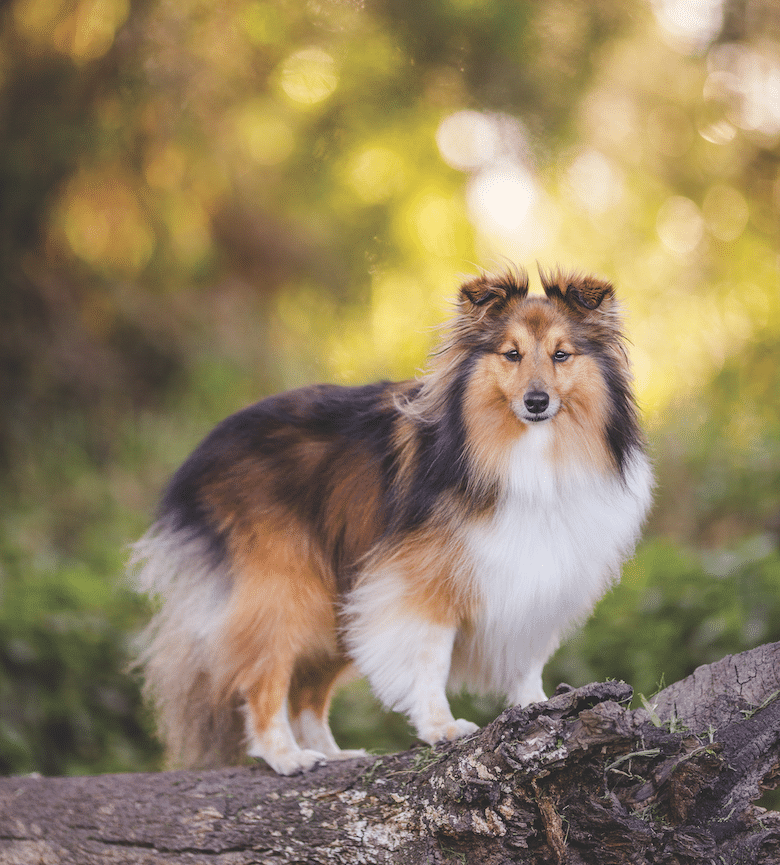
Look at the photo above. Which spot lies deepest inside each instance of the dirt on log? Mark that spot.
(578, 779)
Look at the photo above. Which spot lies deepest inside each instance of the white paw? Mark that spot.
(348, 754)
(290, 762)
(525, 698)
(464, 728)
(529, 691)
(448, 731)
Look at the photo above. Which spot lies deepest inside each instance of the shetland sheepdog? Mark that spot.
(438, 533)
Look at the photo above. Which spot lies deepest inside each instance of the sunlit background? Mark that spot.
(204, 203)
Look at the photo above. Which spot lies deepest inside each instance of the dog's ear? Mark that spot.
(488, 292)
(583, 294)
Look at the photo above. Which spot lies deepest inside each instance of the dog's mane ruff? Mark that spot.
(432, 409)
(605, 321)
(425, 403)
(589, 300)
(463, 336)
(592, 300)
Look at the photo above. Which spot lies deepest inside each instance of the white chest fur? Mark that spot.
(539, 563)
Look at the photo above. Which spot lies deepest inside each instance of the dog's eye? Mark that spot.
(514, 356)
(561, 355)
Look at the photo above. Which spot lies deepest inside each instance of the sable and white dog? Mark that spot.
(432, 533)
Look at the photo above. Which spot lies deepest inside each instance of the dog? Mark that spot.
(444, 532)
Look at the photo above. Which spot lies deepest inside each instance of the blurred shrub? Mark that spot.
(67, 705)
(674, 610)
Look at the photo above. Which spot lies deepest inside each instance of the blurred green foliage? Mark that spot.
(67, 708)
(674, 610)
(205, 203)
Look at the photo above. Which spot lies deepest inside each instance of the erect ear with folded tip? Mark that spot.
(581, 293)
(493, 292)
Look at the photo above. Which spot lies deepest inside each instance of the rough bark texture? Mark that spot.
(577, 779)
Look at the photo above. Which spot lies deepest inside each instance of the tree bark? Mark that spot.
(578, 779)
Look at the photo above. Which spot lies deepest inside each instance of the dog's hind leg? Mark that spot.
(269, 734)
(282, 612)
(312, 686)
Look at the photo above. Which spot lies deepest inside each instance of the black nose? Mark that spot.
(536, 401)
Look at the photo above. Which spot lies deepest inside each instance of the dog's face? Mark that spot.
(539, 361)
(534, 364)
(538, 365)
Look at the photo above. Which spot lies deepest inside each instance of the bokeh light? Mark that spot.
(84, 30)
(690, 24)
(104, 224)
(308, 76)
(680, 225)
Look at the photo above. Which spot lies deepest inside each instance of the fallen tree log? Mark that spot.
(578, 779)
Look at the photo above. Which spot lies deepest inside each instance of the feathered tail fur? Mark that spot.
(201, 725)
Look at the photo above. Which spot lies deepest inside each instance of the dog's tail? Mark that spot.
(179, 652)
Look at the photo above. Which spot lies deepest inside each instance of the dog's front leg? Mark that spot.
(406, 658)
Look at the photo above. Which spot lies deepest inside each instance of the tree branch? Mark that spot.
(578, 779)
